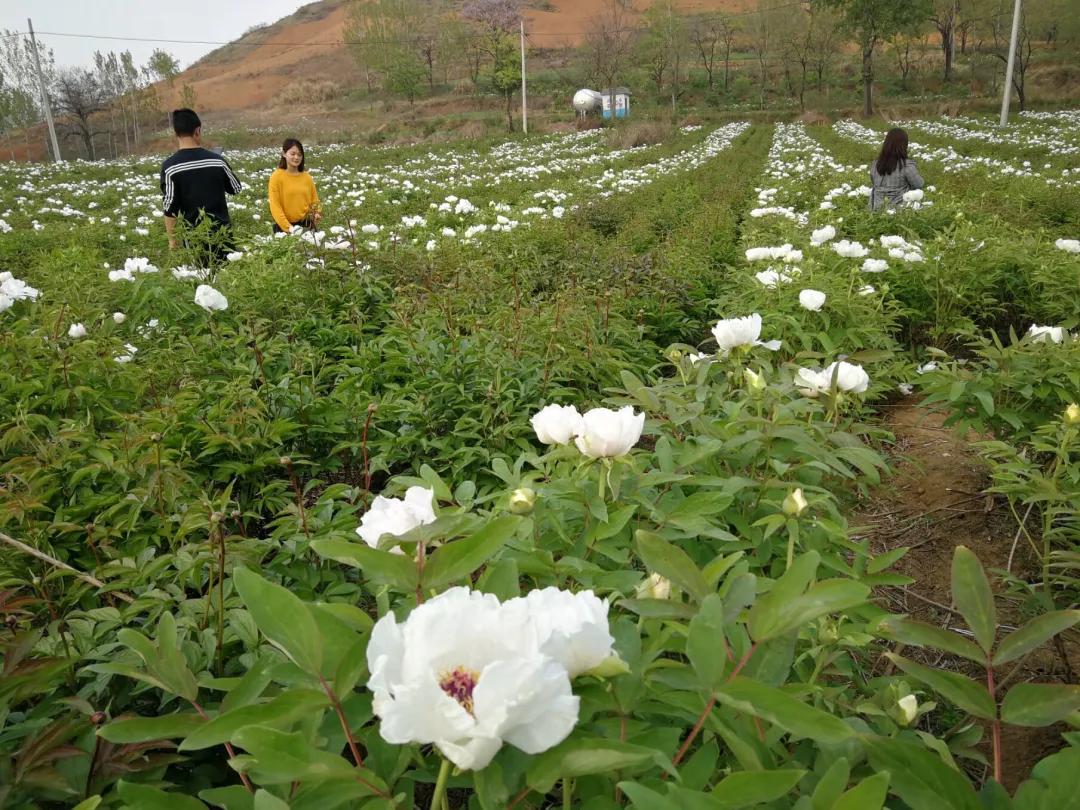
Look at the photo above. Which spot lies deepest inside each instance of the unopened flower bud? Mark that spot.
(828, 633)
(155, 437)
(11, 622)
(794, 504)
(522, 500)
(754, 381)
(215, 517)
(1072, 415)
(655, 587)
(284, 461)
(907, 709)
(97, 718)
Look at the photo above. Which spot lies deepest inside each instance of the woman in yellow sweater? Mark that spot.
(293, 199)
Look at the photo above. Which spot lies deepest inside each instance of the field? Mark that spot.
(306, 531)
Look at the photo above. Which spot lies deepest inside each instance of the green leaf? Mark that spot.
(460, 558)
(973, 596)
(283, 618)
(144, 797)
(377, 565)
(919, 777)
(670, 561)
(88, 804)
(658, 608)
(233, 797)
(1039, 704)
(748, 788)
(777, 614)
(583, 757)
(248, 688)
(1034, 633)
(142, 729)
(705, 645)
(869, 794)
(783, 710)
(280, 758)
(970, 696)
(645, 799)
(1053, 783)
(831, 786)
(928, 635)
(268, 801)
(285, 708)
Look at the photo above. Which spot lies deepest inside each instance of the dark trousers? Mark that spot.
(305, 222)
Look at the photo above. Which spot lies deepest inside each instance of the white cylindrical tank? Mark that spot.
(587, 100)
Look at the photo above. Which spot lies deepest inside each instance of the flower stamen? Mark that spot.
(459, 684)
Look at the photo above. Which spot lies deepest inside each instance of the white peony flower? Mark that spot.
(139, 264)
(397, 516)
(733, 332)
(822, 235)
(875, 266)
(848, 377)
(121, 275)
(210, 299)
(605, 433)
(16, 289)
(1068, 245)
(698, 357)
(6, 302)
(1041, 334)
(571, 628)
(556, 424)
(132, 350)
(867, 289)
(119, 317)
(926, 368)
(850, 250)
(914, 195)
(812, 300)
(235, 255)
(771, 278)
(76, 331)
(466, 675)
(905, 388)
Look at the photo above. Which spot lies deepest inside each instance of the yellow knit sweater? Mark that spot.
(292, 197)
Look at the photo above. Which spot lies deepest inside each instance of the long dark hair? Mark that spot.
(291, 142)
(893, 151)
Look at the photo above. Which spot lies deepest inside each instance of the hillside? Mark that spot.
(308, 46)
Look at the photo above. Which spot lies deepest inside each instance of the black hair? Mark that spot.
(185, 122)
(285, 147)
(893, 151)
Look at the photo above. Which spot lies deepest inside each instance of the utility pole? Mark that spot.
(44, 94)
(524, 102)
(1007, 94)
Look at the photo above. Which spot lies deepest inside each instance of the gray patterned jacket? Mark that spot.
(889, 190)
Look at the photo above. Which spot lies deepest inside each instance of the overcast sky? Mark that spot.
(216, 20)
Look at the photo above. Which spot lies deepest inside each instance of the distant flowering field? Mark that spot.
(526, 480)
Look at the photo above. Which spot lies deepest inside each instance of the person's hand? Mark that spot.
(316, 216)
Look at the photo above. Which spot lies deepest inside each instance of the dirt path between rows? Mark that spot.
(934, 501)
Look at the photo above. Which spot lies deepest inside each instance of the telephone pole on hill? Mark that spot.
(524, 103)
(1011, 65)
(44, 95)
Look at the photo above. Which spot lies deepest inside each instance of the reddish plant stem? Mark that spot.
(299, 498)
(228, 747)
(364, 451)
(995, 727)
(708, 710)
(518, 798)
(359, 760)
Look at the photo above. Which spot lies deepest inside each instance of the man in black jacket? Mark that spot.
(194, 182)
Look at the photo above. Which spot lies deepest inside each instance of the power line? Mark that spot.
(160, 40)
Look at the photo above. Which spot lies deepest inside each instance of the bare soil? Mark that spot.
(934, 502)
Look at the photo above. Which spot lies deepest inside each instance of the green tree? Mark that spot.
(872, 22)
(404, 73)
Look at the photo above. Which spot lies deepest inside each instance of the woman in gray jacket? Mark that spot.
(893, 173)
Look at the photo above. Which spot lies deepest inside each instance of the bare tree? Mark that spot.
(608, 45)
(79, 95)
(707, 33)
(945, 16)
(494, 20)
